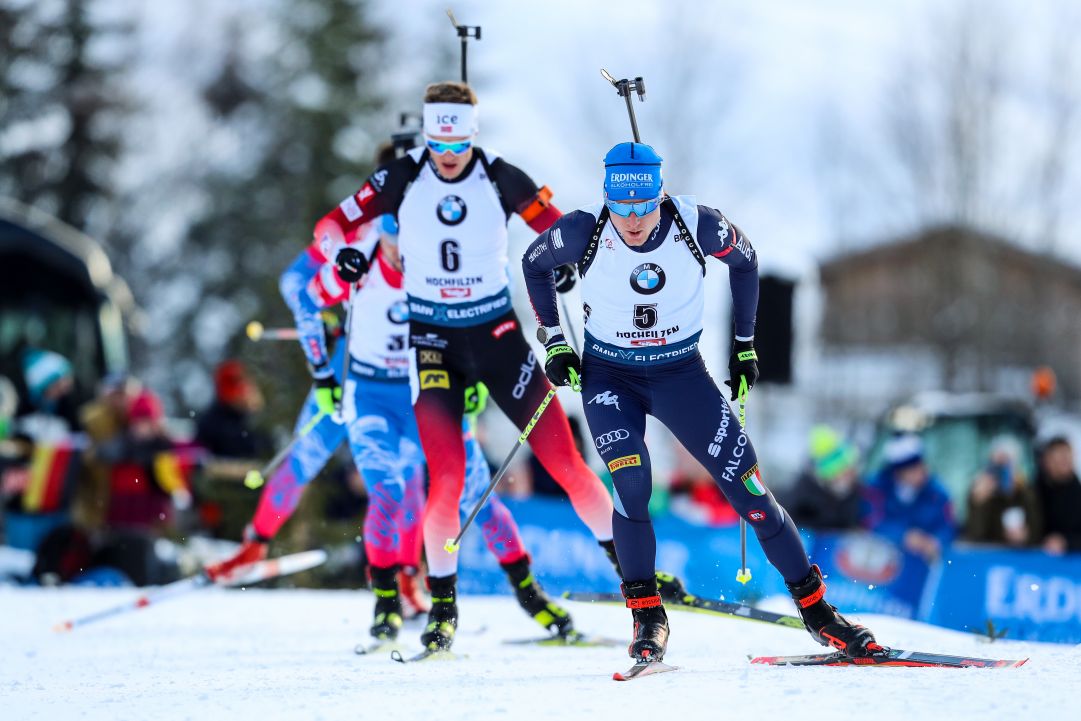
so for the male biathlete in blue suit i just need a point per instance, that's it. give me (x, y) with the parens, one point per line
(641, 255)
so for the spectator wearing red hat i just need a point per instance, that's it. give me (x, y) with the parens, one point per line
(147, 479)
(225, 427)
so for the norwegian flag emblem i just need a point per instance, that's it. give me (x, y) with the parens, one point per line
(446, 128)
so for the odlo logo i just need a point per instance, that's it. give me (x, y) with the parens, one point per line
(451, 210)
(647, 278)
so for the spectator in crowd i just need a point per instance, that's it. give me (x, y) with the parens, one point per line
(225, 428)
(42, 461)
(826, 494)
(148, 479)
(906, 503)
(105, 420)
(1002, 507)
(694, 496)
(1059, 491)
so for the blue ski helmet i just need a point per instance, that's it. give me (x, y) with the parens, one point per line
(632, 171)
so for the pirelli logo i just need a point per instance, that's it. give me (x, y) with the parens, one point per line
(434, 379)
(624, 462)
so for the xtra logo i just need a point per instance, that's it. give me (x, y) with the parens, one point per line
(606, 399)
(434, 379)
(647, 278)
(398, 312)
(624, 462)
(451, 210)
(455, 292)
(607, 439)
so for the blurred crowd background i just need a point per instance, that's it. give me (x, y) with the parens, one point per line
(904, 173)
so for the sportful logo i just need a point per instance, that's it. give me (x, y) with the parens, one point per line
(607, 439)
(606, 399)
(557, 238)
(722, 432)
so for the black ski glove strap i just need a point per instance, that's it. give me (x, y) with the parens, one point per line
(563, 366)
(742, 363)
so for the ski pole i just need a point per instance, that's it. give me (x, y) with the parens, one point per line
(744, 574)
(453, 544)
(254, 479)
(244, 575)
(257, 332)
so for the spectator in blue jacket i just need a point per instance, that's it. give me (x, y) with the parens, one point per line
(906, 503)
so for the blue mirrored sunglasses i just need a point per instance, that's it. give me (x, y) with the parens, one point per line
(625, 209)
(457, 148)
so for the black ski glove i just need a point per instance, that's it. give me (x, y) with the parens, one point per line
(565, 279)
(351, 263)
(561, 364)
(328, 395)
(742, 363)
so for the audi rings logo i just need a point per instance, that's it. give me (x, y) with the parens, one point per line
(607, 439)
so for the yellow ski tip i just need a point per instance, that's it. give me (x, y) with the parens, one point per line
(255, 330)
(450, 546)
(253, 479)
(743, 575)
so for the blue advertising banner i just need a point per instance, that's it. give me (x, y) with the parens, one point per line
(866, 573)
(1030, 594)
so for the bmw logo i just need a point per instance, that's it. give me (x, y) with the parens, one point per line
(398, 312)
(451, 210)
(647, 279)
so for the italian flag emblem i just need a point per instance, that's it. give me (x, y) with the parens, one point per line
(752, 479)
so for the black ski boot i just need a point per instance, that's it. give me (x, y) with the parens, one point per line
(671, 588)
(823, 622)
(668, 585)
(609, 547)
(388, 603)
(650, 621)
(443, 617)
(535, 602)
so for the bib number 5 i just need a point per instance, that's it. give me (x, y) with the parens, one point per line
(645, 316)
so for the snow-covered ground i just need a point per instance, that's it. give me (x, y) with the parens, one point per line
(288, 654)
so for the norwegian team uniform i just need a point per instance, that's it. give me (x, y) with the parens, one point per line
(453, 243)
(643, 308)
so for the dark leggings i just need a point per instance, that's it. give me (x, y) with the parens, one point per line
(682, 396)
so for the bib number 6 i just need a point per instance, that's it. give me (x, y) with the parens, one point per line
(449, 257)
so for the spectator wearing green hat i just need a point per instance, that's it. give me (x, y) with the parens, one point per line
(826, 494)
